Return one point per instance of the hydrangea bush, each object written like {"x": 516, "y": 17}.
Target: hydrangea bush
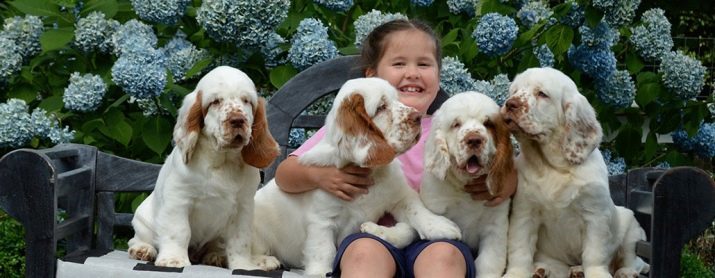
{"x": 111, "y": 73}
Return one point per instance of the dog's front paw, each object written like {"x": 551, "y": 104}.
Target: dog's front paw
{"x": 266, "y": 262}
{"x": 597, "y": 272}
{"x": 172, "y": 261}
{"x": 399, "y": 235}
{"x": 626, "y": 272}
{"x": 440, "y": 228}
{"x": 576, "y": 272}
{"x": 142, "y": 251}
{"x": 215, "y": 259}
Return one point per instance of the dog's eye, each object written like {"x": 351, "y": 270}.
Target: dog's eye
{"x": 489, "y": 124}
{"x": 381, "y": 108}
{"x": 542, "y": 94}
{"x": 456, "y": 124}
{"x": 245, "y": 100}
{"x": 215, "y": 102}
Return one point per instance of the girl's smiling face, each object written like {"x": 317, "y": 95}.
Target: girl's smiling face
{"x": 409, "y": 64}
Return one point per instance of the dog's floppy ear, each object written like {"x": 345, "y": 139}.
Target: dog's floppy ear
{"x": 262, "y": 149}
{"x": 188, "y": 126}
{"x": 503, "y": 162}
{"x": 357, "y": 126}
{"x": 437, "y": 158}
{"x": 582, "y": 131}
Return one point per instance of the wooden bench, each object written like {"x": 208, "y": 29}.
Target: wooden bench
{"x": 81, "y": 182}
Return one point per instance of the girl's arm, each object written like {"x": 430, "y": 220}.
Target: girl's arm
{"x": 346, "y": 183}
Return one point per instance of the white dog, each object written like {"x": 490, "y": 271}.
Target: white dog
{"x": 203, "y": 199}
{"x": 469, "y": 139}
{"x": 563, "y": 219}
{"x": 367, "y": 126}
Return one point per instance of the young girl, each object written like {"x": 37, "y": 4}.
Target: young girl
{"x": 406, "y": 54}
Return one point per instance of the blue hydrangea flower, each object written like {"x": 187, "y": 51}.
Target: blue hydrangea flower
{"x": 25, "y": 32}
{"x": 148, "y": 106}
{"x": 311, "y": 45}
{"x": 616, "y": 165}
{"x": 602, "y": 36}
{"x": 533, "y": 12}
{"x": 160, "y": 11}
{"x": 10, "y": 58}
{"x": 597, "y": 63}
{"x": 336, "y": 5}
{"x": 544, "y": 55}
{"x": 618, "y": 91}
{"x": 683, "y": 75}
{"x": 462, "y": 6}
{"x": 663, "y": 165}
{"x": 181, "y": 55}
{"x": 495, "y": 34}
{"x": 94, "y": 32}
{"x": 365, "y": 23}
{"x": 454, "y": 78}
{"x": 711, "y": 106}
{"x": 321, "y": 106}
{"x": 575, "y": 16}
{"x": 652, "y": 39}
{"x": 500, "y": 88}
{"x": 133, "y": 35}
{"x": 421, "y": 3}
{"x": 246, "y": 23}
{"x": 296, "y": 137}
{"x": 84, "y": 93}
{"x": 702, "y": 144}
{"x": 140, "y": 74}
{"x": 617, "y": 12}
{"x": 16, "y": 127}
{"x": 272, "y": 51}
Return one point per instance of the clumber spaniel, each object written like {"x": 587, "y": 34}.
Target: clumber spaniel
{"x": 469, "y": 139}
{"x": 367, "y": 126}
{"x": 203, "y": 199}
{"x": 563, "y": 220}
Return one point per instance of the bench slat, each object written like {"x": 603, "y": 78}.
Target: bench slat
{"x": 74, "y": 180}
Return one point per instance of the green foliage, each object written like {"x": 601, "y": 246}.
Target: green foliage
{"x": 692, "y": 266}
{"x": 12, "y": 247}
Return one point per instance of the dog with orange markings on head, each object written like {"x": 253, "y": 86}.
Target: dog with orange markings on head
{"x": 202, "y": 205}
{"x": 367, "y": 126}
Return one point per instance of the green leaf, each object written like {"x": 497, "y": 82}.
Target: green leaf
{"x": 650, "y": 147}
{"x": 634, "y": 63}
{"x": 118, "y": 128}
{"x": 156, "y": 134}
{"x": 54, "y": 39}
{"x": 52, "y": 104}
{"x": 91, "y": 125}
{"x": 559, "y": 38}
{"x": 451, "y": 36}
{"x": 138, "y": 200}
{"x": 648, "y": 92}
{"x": 23, "y": 92}
{"x": 593, "y": 16}
{"x": 628, "y": 141}
{"x": 108, "y": 7}
{"x": 198, "y": 67}
{"x": 349, "y": 50}
{"x": 647, "y": 77}
{"x": 281, "y": 74}
{"x": 37, "y": 7}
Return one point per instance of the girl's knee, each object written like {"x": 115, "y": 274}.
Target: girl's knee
{"x": 442, "y": 253}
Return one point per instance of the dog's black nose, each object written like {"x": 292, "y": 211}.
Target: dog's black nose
{"x": 415, "y": 116}
{"x": 474, "y": 141}
{"x": 512, "y": 104}
{"x": 237, "y": 121}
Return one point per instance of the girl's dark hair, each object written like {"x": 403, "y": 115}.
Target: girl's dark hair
{"x": 373, "y": 46}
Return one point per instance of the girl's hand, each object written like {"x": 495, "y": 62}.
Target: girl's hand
{"x": 346, "y": 183}
{"x": 478, "y": 189}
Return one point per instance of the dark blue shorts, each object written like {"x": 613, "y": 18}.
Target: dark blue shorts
{"x": 405, "y": 258}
